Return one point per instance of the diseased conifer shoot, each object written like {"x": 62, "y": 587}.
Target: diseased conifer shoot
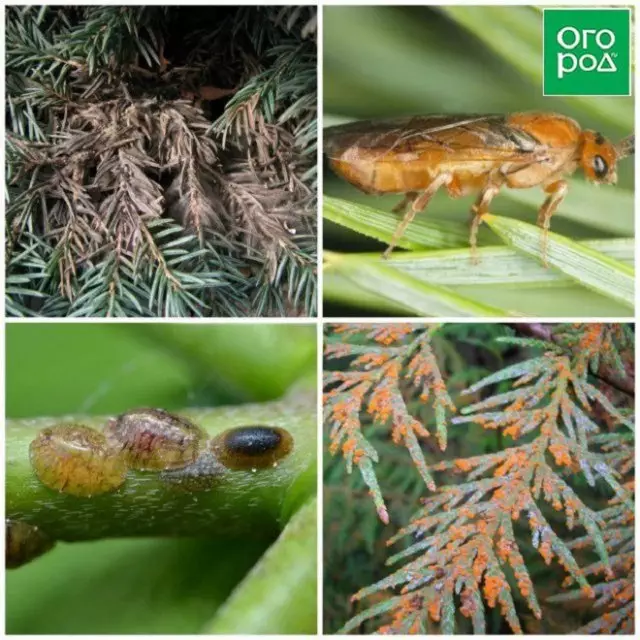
{"x": 161, "y": 161}
{"x": 554, "y": 485}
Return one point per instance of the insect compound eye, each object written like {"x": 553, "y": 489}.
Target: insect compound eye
{"x": 154, "y": 440}
{"x": 76, "y": 460}
{"x": 600, "y": 167}
{"x": 24, "y": 542}
{"x": 252, "y": 447}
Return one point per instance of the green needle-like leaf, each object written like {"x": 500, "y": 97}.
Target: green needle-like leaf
{"x": 389, "y": 286}
{"x": 495, "y": 265}
{"x": 583, "y": 264}
{"x": 279, "y": 594}
{"x": 376, "y": 223}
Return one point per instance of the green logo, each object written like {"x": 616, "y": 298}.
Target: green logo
{"x": 586, "y": 52}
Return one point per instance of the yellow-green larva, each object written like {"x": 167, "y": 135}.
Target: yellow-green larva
{"x": 154, "y": 439}
{"x": 76, "y": 460}
{"x": 23, "y": 543}
{"x": 252, "y": 447}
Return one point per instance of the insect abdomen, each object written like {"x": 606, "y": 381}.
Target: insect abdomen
{"x": 372, "y": 176}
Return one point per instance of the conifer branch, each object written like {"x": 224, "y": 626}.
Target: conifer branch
{"x": 113, "y": 148}
{"x": 466, "y": 549}
{"x": 401, "y": 363}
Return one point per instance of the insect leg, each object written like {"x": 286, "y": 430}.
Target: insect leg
{"x": 406, "y": 201}
{"x": 417, "y": 204}
{"x": 557, "y": 191}
{"x": 481, "y": 207}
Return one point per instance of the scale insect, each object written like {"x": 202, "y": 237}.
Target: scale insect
{"x": 76, "y": 460}
{"x": 154, "y": 439}
{"x": 252, "y": 447}
{"x": 466, "y": 154}
{"x": 23, "y": 543}
{"x": 80, "y": 461}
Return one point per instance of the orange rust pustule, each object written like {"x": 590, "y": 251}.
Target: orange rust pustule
{"x": 154, "y": 439}
{"x": 76, "y": 460}
{"x": 252, "y": 447}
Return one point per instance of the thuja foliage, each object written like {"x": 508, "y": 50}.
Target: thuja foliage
{"x": 161, "y": 161}
{"x": 550, "y": 493}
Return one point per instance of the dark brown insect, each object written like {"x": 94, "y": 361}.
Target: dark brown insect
{"x": 23, "y": 543}
{"x": 254, "y": 447}
{"x": 470, "y": 154}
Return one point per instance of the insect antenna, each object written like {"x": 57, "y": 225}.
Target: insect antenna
{"x": 626, "y": 146}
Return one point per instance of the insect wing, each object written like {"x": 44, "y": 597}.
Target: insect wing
{"x": 484, "y": 137}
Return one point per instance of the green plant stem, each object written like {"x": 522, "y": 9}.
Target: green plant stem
{"x": 280, "y": 593}
{"x": 254, "y": 504}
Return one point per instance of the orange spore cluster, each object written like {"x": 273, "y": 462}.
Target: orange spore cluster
{"x": 434, "y": 608}
{"x": 561, "y": 454}
{"x": 625, "y": 592}
{"x": 401, "y": 429}
{"x": 588, "y": 592}
{"x": 370, "y": 360}
{"x": 514, "y": 461}
{"x": 480, "y": 562}
{"x": 493, "y": 585}
{"x": 408, "y": 610}
{"x": 463, "y": 465}
{"x": 591, "y": 343}
{"x": 393, "y": 333}
{"x": 545, "y": 551}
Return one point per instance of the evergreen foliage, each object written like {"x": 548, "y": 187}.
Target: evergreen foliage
{"x": 555, "y": 488}
{"x": 161, "y": 161}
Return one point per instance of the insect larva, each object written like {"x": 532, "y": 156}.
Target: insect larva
{"x": 76, "y": 460}
{"x": 154, "y": 439}
{"x": 252, "y": 447}
{"x": 23, "y": 543}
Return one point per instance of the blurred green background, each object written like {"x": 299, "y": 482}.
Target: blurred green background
{"x": 395, "y": 61}
{"x": 141, "y": 585}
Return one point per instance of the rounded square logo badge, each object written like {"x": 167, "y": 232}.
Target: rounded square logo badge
{"x": 587, "y": 52}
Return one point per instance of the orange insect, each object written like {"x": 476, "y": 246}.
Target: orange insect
{"x": 469, "y": 154}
